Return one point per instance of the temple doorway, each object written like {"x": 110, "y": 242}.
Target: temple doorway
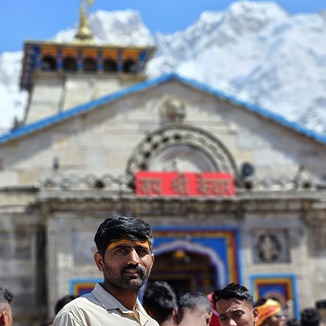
{"x": 185, "y": 271}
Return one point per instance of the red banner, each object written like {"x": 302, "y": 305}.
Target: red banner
{"x": 205, "y": 184}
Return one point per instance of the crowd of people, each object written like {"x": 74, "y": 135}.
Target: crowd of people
{"x": 125, "y": 257}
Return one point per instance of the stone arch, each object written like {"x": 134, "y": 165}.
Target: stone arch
{"x": 198, "y": 248}
{"x": 110, "y": 65}
{"x": 129, "y": 66}
{"x": 48, "y": 63}
{"x": 70, "y": 64}
{"x": 90, "y": 64}
{"x": 194, "y": 149}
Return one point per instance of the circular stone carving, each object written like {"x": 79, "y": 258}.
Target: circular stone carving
{"x": 174, "y": 108}
{"x": 181, "y": 148}
{"x": 181, "y": 157}
{"x": 268, "y": 247}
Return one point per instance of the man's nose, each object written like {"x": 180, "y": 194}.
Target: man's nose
{"x": 134, "y": 257}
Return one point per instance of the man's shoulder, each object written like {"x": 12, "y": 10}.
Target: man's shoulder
{"x": 85, "y": 300}
{"x": 78, "y": 311}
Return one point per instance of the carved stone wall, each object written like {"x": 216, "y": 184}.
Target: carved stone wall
{"x": 23, "y": 255}
{"x": 270, "y": 246}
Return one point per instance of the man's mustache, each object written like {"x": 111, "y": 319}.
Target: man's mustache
{"x": 136, "y": 268}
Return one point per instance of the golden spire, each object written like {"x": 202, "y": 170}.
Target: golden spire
{"x": 84, "y": 34}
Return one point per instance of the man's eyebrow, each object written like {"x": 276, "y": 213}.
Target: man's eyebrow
{"x": 125, "y": 243}
{"x": 143, "y": 245}
{"x": 121, "y": 245}
{"x": 118, "y": 246}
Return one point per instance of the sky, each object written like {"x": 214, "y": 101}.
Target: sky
{"x": 41, "y": 19}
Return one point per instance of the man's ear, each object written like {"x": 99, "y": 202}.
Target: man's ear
{"x": 255, "y": 314}
{"x": 208, "y": 318}
{"x": 175, "y": 315}
{"x": 99, "y": 261}
{"x": 4, "y": 319}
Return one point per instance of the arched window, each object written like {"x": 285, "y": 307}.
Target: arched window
{"x": 69, "y": 64}
{"x": 110, "y": 65}
{"x": 48, "y": 63}
{"x": 129, "y": 66}
{"x": 90, "y": 65}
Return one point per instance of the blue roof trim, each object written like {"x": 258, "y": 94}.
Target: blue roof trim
{"x": 257, "y": 109}
{"x": 86, "y": 107}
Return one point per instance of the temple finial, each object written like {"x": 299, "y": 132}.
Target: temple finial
{"x": 84, "y": 34}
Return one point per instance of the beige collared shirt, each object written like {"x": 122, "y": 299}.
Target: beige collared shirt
{"x": 100, "y": 308}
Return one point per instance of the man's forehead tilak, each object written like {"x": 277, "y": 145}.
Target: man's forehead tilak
{"x": 129, "y": 243}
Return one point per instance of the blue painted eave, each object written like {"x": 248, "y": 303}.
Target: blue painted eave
{"x": 257, "y": 109}
{"x": 89, "y": 106}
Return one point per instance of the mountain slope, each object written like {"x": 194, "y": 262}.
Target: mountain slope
{"x": 257, "y": 52}
{"x": 254, "y": 51}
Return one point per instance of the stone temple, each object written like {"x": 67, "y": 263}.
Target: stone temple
{"x": 234, "y": 192}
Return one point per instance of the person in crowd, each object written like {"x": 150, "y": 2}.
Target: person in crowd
{"x": 270, "y": 313}
{"x": 58, "y": 306}
{"x": 62, "y": 302}
{"x": 125, "y": 257}
{"x": 194, "y": 309}
{"x": 234, "y": 305}
{"x": 160, "y": 302}
{"x": 214, "y": 320}
{"x": 310, "y": 317}
{"x": 6, "y": 297}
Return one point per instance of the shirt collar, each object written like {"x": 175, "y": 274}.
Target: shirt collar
{"x": 109, "y": 302}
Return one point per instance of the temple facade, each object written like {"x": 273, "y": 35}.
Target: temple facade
{"x": 234, "y": 193}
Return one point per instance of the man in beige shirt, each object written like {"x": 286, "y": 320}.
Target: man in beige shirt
{"x": 124, "y": 256}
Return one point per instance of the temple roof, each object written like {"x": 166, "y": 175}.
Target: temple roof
{"x": 35, "y": 51}
{"x": 24, "y": 131}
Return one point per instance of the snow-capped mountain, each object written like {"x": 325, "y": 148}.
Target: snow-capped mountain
{"x": 254, "y": 51}
{"x": 121, "y": 28}
{"x": 12, "y": 100}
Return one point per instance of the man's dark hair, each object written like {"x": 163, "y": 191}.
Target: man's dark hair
{"x": 309, "y": 317}
{"x": 159, "y": 297}
{"x": 63, "y": 301}
{"x": 192, "y": 300}
{"x": 6, "y": 295}
{"x": 121, "y": 227}
{"x": 233, "y": 290}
